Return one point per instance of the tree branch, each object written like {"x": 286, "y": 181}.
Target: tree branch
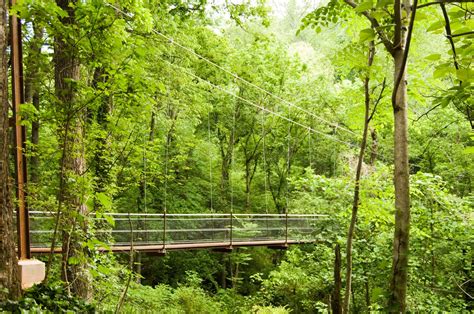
{"x": 442, "y": 2}
{"x": 447, "y": 27}
{"x": 405, "y": 53}
{"x": 426, "y": 113}
{"x": 376, "y": 26}
{"x": 462, "y": 34}
{"x": 378, "y": 100}
{"x": 428, "y": 144}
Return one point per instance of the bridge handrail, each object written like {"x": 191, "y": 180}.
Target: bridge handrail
{"x": 225, "y": 215}
{"x": 152, "y": 229}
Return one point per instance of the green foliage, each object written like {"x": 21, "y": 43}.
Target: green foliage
{"x": 52, "y": 298}
{"x": 335, "y": 11}
{"x": 301, "y": 280}
{"x": 163, "y": 299}
{"x": 161, "y": 132}
{"x": 441, "y": 248}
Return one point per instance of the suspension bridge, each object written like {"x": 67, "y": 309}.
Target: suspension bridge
{"x": 123, "y": 232}
{"x": 38, "y": 232}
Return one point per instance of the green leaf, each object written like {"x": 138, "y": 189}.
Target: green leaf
{"x": 109, "y": 219}
{"x": 364, "y": 6}
{"x": 385, "y": 3}
{"x": 104, "y": 200}
{"x": 433, "y": 57}
{"x": 162, "y": 87}
{"x": 469, "y": 150}
{"x": 73, "y": 260}
{"x": 366, "y": 35}
{"x": 464, "y": 74}
{"x": 89, "y": 244}
{"x": 435, "y": 26}
{"x": 442, "y": 70}
{"x": 421, "y": 16}
{"x": 456, "y": 14}
{"x": 445, "y": 102}
{"x": 104, "y": 270}
{"x": 94, "y": 273}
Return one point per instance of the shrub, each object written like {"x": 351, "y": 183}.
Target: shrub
{"x": 49, "y": 298}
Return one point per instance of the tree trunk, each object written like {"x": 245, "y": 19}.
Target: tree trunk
{"x": 223, "y": 273}
{"x": 71, "y": 194}
{"x": 142, "y": 201}
{"x": 227, "y": 156}
{"x": 336, "y": 294}
{"x": 9, "y": 277}
{"x": 374, "y": 147}
{"x": 32, "y": 96}
{"x": 249, "y": 175}
{"x": 398, "y": 48}
{"x": 367, "y": 292}
{"x": 398, "y": 289}
{"x": 102, "y": 150}
{"x": 355, "y": 204}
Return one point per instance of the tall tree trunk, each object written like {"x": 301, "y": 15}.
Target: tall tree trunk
{"x": 141, "y": 199}
{"x": 9, "y": 277}
{"x": 367, "y": 291}
{"x": 227, "y": 157}
{"x": 102, "y": 151}
{"x": 71, "y": 195}
{"x": 356, "y": 200}
{"x": 402, "y": 200}
{"x": 398, "y": 48}
{"x": 336, "y": 294}
{"x": 398, "y": 288}
{"x": 32, "y": 96}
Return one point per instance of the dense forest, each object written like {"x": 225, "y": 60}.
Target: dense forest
{"x": 361, "y": 111}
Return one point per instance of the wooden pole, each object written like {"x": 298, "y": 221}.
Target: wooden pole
{"x": 19, "y": 137}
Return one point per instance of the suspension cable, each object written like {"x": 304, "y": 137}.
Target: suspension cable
{"x": 231, "y": 182}
{"x": 145, "y": 209}
{"x": 334, "y": 153}
{"x": 310, "y": 147}
{"x": 165, "y": 203}
{"x": 262, "y": 120}
{"x": 264, "y": 159}
{"x": 211, "y": 188}
{"x": 171, "y": 41}
{"x": 279, "y": 115}
{"x": 144, "y": 175}
{"x": 288, "y": 177}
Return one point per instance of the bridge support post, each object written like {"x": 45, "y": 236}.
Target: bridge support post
{"x": 20, "y": 137}
{"x": 31, "y": 271}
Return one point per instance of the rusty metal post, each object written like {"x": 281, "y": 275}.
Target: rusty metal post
{"x": 20, "y": 137}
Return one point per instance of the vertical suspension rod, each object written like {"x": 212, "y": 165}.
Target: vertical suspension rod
{"x": 19, "y": 137}
{"x": 231, "y": 228}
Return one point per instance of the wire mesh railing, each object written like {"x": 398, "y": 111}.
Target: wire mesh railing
{"x": 123, "y": 229}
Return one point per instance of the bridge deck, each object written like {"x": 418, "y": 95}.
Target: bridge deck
{"x": 184, "y": 246}
{"x": 164, "y": 232}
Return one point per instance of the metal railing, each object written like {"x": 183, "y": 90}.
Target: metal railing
{"x": 172, "y": 229}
